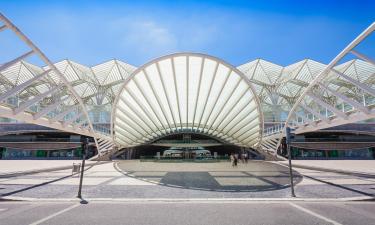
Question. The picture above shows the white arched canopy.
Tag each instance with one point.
(187, 92)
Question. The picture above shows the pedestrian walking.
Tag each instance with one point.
(232, 158)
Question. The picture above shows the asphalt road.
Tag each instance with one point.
(187, 213)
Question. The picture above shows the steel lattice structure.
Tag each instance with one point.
(42, 96)
(339, 94)
(122, 106)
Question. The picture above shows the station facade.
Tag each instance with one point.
(150, 108)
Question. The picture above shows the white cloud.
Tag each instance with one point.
(144, 36)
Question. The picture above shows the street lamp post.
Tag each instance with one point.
(84, 151)
(288, 141)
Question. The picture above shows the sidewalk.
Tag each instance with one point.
(364, 167)
(9, 168)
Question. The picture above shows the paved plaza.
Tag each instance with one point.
(135, 179)
(134, 192)
(19, 167)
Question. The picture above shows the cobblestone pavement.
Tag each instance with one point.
(134, 179)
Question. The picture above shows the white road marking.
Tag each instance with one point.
(55, 214)
(3, 210)
(314, 214)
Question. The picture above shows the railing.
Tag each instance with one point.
(37, 139)
(178, 159)
(187, 142)
(102, 128)
(300, 120)
(274, 129)
(338, 139)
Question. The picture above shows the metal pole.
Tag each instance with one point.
(288, 141)
(290, 171)
(84, 151)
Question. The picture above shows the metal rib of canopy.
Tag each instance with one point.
(76, 98)
(279, 87)
(40, 96)
(187, 92)
(29, 92)
(340, 94)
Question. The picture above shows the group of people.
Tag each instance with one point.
(234, 158)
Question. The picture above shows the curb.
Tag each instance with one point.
(186, 200)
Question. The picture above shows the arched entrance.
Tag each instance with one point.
(187, 93)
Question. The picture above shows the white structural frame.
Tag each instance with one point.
(265, 77)
(20, 114)
(175, 125)
(360, 111)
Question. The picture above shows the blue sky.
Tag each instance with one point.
(91, 32)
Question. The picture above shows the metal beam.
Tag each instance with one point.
(22, 86)
(158, 101)
(63, 114)
(176, 90)
(166, 93)
(3, 28)
(317, 114)
(208, 94)
(36, 99)
(109, 144)
(363, 57)
(71, 120)
(10, 63)
(356, 83)
(132, 120)
(305, 118)
(80, 123)
(355, 104)
(49, 108)
(328, 106)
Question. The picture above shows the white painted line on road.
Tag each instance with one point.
(314, 214)
(2, 210)
(55, 214)
(362, 198)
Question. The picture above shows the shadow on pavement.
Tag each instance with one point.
(271, 178)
